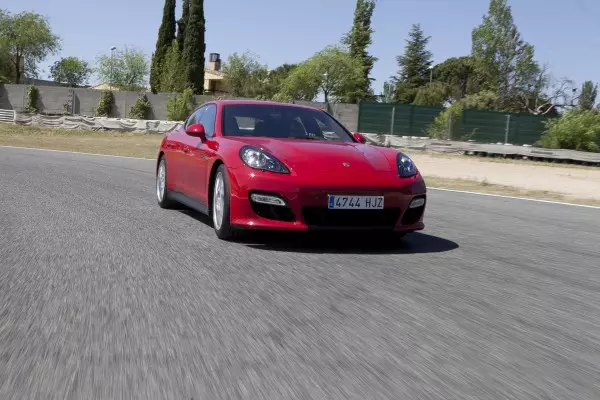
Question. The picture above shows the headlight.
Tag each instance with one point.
(260, 159)
(406, 166)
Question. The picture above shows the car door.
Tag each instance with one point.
(202, 154)
(176, 156)
(189, 144)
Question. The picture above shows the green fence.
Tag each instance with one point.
(478, 125)
(399, 119)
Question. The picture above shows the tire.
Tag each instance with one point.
(220, 210)
(162, 194)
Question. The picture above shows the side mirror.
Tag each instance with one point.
(196, 130)
(360, 137)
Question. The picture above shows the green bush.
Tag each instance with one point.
(31, 101)
(105, 104)
(574, 130)
(449, 118)
(438, 129)
(180, 105)
(141, 108)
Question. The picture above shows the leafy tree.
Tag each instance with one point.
(182, 23)
(434, 94)
(28, 39)
(331, 71)
(194, 47)
(414, 66)
(587, 98)
(575, 130)
(171, 78)
(6, 66)
(358, 40)
(505, 61)
(71, 70)
(245, 75)
(275, 79)
(166, 35)
(125, 70)
(460, 75)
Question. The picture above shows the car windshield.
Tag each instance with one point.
(281, 121)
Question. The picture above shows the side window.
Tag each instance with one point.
(208, 119)
(195, 117)
(191, 120)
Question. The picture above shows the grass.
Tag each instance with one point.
(121, 144)
(146, 146)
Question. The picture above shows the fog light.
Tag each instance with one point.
(267, 199)
(418, 202)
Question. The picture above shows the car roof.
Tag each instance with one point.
(264, 102)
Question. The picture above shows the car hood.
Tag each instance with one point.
(310, 156)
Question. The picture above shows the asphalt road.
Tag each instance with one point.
(103, 295)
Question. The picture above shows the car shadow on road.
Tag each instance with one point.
(336, 242)
(356, 243)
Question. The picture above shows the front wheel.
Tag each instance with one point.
(220, 208)
(162, 194)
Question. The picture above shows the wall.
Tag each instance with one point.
(84, 103)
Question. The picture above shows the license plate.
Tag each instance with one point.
(355, 202)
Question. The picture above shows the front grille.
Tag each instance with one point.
(278, 213)
(320, 217)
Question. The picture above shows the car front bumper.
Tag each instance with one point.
(306, 203)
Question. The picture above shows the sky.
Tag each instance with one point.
(285, 31)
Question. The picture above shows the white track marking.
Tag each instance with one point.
(77, 152)
(562, 203)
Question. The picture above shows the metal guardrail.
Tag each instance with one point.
(483, 149)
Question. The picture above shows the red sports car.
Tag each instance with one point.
(277, 166)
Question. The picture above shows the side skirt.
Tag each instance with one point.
(189, 202)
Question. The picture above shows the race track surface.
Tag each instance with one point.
(103, 295)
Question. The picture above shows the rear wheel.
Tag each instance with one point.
(220, 207)
(162, 194)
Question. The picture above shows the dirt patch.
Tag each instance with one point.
(581, 183)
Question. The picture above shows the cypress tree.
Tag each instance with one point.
(194, 47)
(358, 40)
(166, 35)
(182, 23)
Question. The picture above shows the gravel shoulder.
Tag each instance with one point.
(582, 183)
